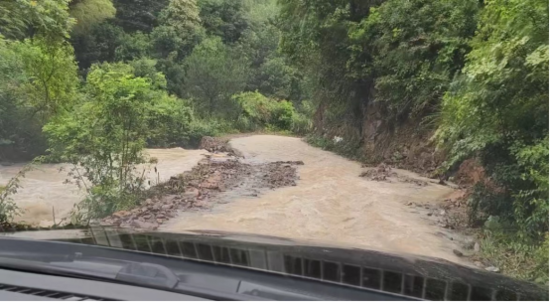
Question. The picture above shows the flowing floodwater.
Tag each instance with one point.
(330, 203)
(44, 195)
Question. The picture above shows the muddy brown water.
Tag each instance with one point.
(44, 194)
(331, 204)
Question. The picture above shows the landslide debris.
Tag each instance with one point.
(203, 186)
(384, 172)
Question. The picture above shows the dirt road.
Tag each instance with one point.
(330, 204)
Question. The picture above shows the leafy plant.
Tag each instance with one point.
(105, 137)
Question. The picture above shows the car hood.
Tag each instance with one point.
(410, 275)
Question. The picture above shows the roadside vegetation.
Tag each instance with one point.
(95, 82)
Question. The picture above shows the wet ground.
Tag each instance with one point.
(272, 185)
(44, 195)
(331, 203)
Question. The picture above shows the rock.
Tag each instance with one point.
(493, 269)
(167, 207)
(458, 253)
(477, 247)
(442, 212)
(430, 214)
(144, 209)
(478, 264)
(156, 207)
(191, 193)
(146, 216)
(161, 216)
(410, 203)
(121, 214)
(144, 225)
(468, 244)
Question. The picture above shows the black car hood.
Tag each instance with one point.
(414, 276)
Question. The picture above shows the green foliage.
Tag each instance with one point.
(224, 18)
(38, 80)
(8, 208)
(105, 135)
(52, 75)
(412, 49)
(258, 112)
(98, 45)
(133, 46)
(516, 256)
(48, 19)
(138, 15)
(213, 75)
(90, 12)
(179, 31)
(498, 109)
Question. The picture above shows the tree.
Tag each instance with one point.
(138, 15)
(105, 135)
(213, 75)
(26, 18)
(98, 45)
(224, 18)
(90, 12)
(179, 30)
(412, 49)
(52, 74)
(498, 110)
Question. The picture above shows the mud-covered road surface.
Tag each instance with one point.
(269, 185)
(330, 203)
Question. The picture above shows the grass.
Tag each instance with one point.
(517, 257)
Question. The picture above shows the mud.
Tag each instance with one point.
(202, 187)
(385, 173)
(277, 186)
(46, 199)
(330, 204)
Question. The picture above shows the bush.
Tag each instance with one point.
(498, 111)
(259, 112)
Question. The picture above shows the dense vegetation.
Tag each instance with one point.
(474, 72)
(94, 82)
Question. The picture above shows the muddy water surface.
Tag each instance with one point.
(44, 195)
(330, 204)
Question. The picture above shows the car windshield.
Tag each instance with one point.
(417, 128)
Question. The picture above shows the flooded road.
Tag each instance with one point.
(44, 195)
(330, 204)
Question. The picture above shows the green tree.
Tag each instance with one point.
(213, 75)
(24, 18)
(105, 136)
(498, 110)
(90, 12)
(224, 18)
(138, 15)
(52, 74)
(98, 45)
(412, 49)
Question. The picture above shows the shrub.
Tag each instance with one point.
(259, 112)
